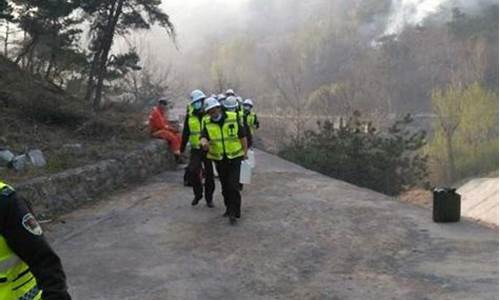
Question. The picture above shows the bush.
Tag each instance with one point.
(465, 137)
(388, 162)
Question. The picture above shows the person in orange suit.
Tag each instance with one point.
(162, 129)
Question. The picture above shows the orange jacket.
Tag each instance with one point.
(157, 119)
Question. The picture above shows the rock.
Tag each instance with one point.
(5, 157)
(20, 162)
(37, 158)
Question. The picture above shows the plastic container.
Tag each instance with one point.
(251, 158)
(446, 205)
(245, 172)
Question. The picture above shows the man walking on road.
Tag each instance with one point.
(224, 138)
(191, 133)
(29, 268)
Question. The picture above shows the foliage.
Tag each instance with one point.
(388, 162)
(465, 131)
(111, 17)
(50, 46)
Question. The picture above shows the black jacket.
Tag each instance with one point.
(32, 248)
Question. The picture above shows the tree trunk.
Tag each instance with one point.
(6, 41)
(451, 159)
(49, 67)
(107, 43)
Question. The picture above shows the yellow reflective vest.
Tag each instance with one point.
(16, 281)
(194, 124)
(250, 118)
(223, 140)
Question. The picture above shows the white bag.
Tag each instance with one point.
(245, 172)
(215, 169)
(251, 158)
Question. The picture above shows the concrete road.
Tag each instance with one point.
(302, 236)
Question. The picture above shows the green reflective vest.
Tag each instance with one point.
(189, 109)
(224, 141)
(194, 124)
(251, 122)
(16, 281)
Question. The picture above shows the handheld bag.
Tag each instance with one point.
(251, 158)
(245, 172)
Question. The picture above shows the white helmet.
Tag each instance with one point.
(239, 99)
(221, 97)
(211, 103)
(230, 103)
(230, 92)
(197, 95)
(163, 100)
(248, 102)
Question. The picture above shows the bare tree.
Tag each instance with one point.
(286, 76)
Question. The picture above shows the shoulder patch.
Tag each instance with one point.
(31, 225)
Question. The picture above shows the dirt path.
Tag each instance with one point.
(302, 236)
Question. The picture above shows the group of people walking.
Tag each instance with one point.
(220, 130)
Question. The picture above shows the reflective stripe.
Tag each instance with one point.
(31, 294)
(23, 284)
(27, 271)
(9, 263)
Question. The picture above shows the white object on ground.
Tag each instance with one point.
(6, 157)
(37, 158)
(245, 172)
(20, 162)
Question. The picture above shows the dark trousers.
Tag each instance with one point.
(197, 164)
(229, 175)
(249, 138)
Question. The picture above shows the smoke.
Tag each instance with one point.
(414, 12)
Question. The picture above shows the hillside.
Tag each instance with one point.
(37, 114)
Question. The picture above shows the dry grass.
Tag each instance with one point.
(35, 114)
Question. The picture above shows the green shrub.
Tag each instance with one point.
(388, 162)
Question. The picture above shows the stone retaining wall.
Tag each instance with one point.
(65, 191)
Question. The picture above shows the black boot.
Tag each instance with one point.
(196, 200)
(232, 220)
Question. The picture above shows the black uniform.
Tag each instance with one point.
(198, 166)
(33, 249)
(229, 175)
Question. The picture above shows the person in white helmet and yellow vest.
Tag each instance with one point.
(250, 119)
(224, 137)
(198, 161)
(29, 268)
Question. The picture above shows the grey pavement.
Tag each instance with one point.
(302, 235)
